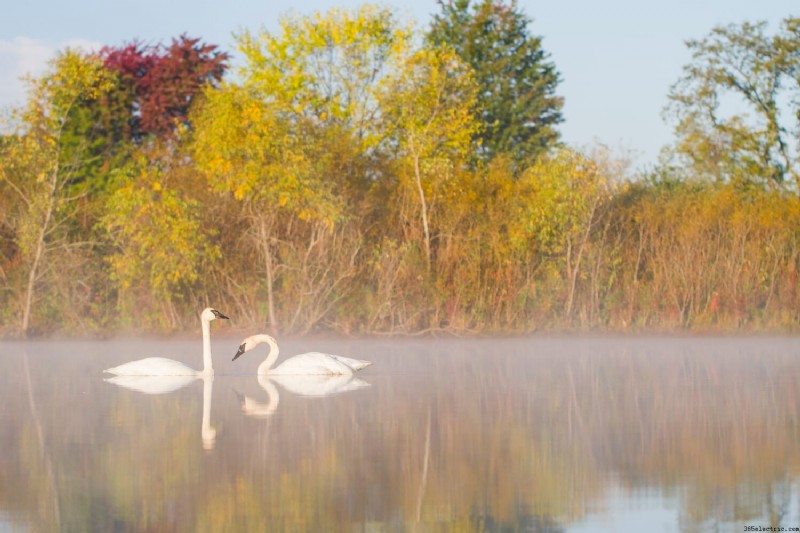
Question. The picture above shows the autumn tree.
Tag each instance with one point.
(568, 191)
(430, 103)
(293, 142)
(520, 109)
(154, 90)
(256, 158)
(159, 241)
(38, 171)
(160, 83)
(737, 107)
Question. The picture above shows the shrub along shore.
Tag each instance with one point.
(358, 178)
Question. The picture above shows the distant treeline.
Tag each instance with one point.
(357, 176)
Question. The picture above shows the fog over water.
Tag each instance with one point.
(524, 434)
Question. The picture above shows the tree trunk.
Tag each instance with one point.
(39, 254)
(424, 206)
(265, 245)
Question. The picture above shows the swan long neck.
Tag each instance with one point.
(272, 356)
(208, 367)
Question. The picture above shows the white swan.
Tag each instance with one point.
(303, 364)
(161, 366)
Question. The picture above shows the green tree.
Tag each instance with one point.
(737, 105)
(519, 106)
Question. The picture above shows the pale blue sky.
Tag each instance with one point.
(617, 58)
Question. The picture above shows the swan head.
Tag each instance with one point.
(209, 314)
(251, 342)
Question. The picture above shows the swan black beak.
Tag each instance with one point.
(240, 352)
(219, 315)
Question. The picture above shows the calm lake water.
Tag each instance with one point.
(542, 434)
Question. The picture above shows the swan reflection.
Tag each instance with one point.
(167, 384)
(207, 433)
(152, 384)
(315, 385)
(256, 409)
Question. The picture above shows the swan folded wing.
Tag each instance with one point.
(319, 385)
(314, 363)
(152, 366)
(355, 364)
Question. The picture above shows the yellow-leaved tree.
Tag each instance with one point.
(161, 241)
(293, 142)
(566, 191)
(37, 170)
(430, 105)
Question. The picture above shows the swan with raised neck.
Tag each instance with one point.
(161, 366)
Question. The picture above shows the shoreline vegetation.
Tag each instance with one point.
(362, 178)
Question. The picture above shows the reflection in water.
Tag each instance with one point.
(314, 385)
(167, 384)
(152, 384)
(50, 494)
(501, 435)
(256, 409)
(207, 433)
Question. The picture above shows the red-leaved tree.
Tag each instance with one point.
(162, 81)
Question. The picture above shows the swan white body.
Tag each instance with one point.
(161, 366)
(311, 363)
(317, 385)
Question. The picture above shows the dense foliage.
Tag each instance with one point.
(356, 178)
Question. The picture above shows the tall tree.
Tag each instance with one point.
(430, 104)
(520, 108)
(37, 169)
(737, 105)
(326, 69)
(291, 139)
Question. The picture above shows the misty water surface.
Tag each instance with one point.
(648, 434)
